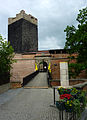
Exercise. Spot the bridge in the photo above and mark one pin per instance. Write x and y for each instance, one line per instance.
(39, 81)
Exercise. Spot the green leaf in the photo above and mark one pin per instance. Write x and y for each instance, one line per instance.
(76, 42)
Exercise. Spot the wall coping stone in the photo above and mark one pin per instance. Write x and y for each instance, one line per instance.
(80, 85)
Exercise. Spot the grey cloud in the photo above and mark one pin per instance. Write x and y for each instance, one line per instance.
(53, 17)
(56, 21)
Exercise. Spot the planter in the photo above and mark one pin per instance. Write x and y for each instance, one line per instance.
(60, 105)
(69, 109)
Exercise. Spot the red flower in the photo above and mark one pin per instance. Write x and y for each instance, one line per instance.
(68, 96)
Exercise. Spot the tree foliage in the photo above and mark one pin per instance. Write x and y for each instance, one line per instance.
(76, 42)
(6, 57)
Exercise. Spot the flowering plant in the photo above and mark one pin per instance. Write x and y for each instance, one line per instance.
(71, 100)
(62, 90)
(75, 92)
(66, 96)
(69, 106)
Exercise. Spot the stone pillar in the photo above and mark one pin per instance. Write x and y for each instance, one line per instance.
(64, 77)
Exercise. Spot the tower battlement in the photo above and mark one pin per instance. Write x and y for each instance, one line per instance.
(23, 15)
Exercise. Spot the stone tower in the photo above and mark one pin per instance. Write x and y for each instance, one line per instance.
(23, 33)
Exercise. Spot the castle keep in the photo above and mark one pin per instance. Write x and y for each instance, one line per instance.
(23, 33)
(23, 36)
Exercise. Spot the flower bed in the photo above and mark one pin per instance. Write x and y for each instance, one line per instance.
(71, 100)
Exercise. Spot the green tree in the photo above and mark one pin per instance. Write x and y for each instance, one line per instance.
(6, 58)
(76, 42)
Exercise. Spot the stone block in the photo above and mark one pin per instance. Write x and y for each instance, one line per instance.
(15, 85)
(64, 79)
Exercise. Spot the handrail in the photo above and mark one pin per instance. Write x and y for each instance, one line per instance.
(29, 77)
(49, 78)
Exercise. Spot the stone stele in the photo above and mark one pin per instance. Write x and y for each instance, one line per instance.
(64, 77)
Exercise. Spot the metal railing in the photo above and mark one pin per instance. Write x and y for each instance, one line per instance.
(63, 115)
(29, 77)
(49, 78)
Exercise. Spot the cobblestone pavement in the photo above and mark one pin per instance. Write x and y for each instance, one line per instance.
(40, 80)
(84, 115)
(28, 104)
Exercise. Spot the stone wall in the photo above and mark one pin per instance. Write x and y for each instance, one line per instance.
(23, 33)
(22, 68)
(56, 59)
(23, 36)
(15, 35)
(14, 85)
(55, 65)
(55, 69)
(71, 82)
(29, 37)
(25, 65)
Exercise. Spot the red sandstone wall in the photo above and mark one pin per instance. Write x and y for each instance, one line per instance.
(55, 69)
(61, 58)
(25, 56)
(59, 55)
(55, 64)
(23, 67)
(31, 56)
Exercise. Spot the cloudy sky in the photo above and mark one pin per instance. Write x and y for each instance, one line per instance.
(53, 17)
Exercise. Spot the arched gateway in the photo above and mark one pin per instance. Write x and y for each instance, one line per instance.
(43, 66)
(42, 63)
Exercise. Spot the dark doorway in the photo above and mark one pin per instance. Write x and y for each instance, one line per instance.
(43, 67)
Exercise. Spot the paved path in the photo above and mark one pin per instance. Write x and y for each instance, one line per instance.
(28, 104)
(84, 115)
(40, 80)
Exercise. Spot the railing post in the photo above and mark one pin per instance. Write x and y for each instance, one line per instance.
(62, 114)
(54, 94)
